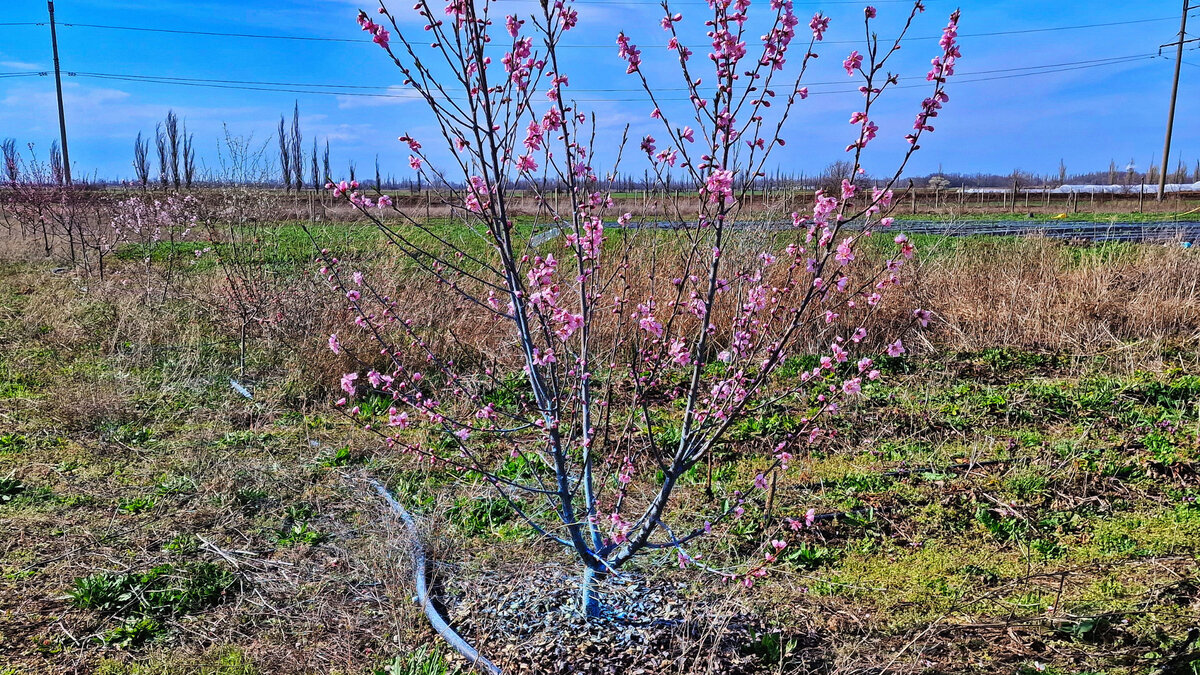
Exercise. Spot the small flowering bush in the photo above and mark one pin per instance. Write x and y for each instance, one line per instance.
(620, 329)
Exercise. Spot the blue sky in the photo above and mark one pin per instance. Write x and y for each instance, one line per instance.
(1084, 115)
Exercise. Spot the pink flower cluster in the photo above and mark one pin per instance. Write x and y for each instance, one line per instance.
(629, 52)
(379, 34)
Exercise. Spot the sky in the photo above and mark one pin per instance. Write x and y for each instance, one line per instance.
(1026, 99)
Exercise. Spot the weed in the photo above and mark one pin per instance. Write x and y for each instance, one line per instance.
(127, 434)
(421, 661)
(183, 544)
(12, 443)
(9, 488)
(810, 556)
(1003, 525)
(299, 533)
(250, 496)
(1026, 484)
(133, 632)
(773, 648)
(174, 484)
(473, 517)
(136, 505)
(341, 457)
(162, 590)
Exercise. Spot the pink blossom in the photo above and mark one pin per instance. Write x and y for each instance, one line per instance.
(852, 62)
(679, 353)
(397, 419)
(845, 251)
(629, 52)
(348, 382)
(870, 12)
(381, 38)
(688, 135)
(719, 186)
(384, 201)
(895, 349)
(415, 162)
(412, 143)
(334, 345)
(478, 195)
(513, 25)
(819, 25)
(651, 325)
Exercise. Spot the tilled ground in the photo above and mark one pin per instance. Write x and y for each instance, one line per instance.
(528, 621)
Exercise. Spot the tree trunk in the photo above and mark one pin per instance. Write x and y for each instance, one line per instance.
(589, 596)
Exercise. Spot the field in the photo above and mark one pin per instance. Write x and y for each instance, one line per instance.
(1018, 495)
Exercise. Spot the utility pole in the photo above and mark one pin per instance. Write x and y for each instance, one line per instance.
(58, 87)
(1162, 179)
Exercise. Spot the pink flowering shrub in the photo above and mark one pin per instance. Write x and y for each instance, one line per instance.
(616, 329)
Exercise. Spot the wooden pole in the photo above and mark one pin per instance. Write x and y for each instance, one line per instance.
(58, 88)
(1162, 179)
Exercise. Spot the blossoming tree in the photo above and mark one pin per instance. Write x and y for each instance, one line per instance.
(622, 327)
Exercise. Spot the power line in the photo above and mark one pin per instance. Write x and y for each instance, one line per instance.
(166, 79)
(260, 36)
(251, 86)
(310, 38)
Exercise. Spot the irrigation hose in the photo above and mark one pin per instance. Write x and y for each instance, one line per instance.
(477, 660)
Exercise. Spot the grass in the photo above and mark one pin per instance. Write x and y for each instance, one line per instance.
(162, 524)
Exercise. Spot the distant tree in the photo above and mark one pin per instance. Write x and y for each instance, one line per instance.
(285, 160)
(56, 163)
(315, 176)
(141, 160)
(325, 164)
(189, 157)
(160, 148)
(297, 148)
(1112, 172)
(12, 160)
(1062, 172)
(833, 175)
(1152, 173)
(1181, 173)
(173, 149)
(1196, 173)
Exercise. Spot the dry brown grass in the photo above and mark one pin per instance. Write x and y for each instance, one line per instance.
(1054, 296)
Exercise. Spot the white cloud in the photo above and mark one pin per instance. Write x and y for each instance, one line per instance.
(393, 96)
(21, 65)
